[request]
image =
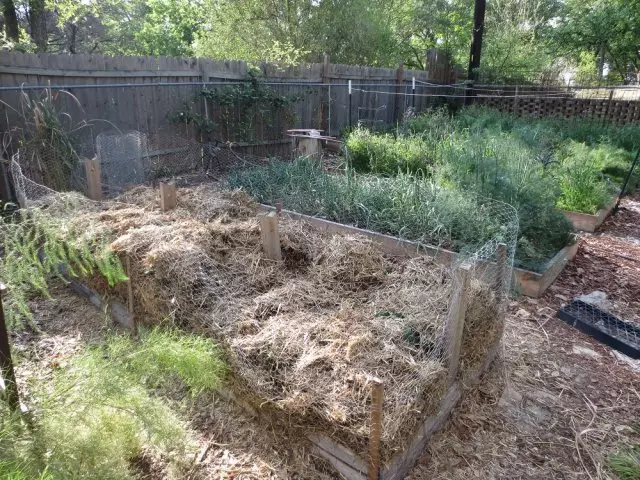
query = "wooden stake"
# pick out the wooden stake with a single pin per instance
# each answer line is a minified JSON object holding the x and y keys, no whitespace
{"x":515,"y":102}
{"x":168,"y":197}
{"x":455,"y":322}
{"x":375,"y":429}
{"x":94,"y":183}
{"x":270,"y":236}
{"x":501,"y":260}
{"x":130,"y":297}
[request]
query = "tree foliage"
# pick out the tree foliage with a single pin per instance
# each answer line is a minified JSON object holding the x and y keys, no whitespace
{"x":522,"y":37}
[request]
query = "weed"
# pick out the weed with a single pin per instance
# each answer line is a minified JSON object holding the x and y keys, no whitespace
{"x":93,"y":418}
{"x":626,"y":464}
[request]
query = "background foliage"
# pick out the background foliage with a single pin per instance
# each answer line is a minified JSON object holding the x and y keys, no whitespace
{"x":593,"y":40}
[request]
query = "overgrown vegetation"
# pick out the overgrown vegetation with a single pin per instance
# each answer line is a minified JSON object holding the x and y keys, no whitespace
{"x":47,"y":137}
{"x":575,"y":165}
{"x":408,"y":206}
{"x":95,"y":417}
{"x":38,"y":246}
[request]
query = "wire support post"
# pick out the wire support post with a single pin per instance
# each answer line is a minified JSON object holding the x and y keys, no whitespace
{"x":8,"y":386}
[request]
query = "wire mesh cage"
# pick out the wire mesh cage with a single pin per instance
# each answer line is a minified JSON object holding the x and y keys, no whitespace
{"x":121,"y":158}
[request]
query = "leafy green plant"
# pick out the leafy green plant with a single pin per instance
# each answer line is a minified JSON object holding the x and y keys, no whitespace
{"x":38,"y":247}
{"x":626,"y":464}
{"x":387,"y":154}
{"x":94,"y":417}
{"x":583,"y":185}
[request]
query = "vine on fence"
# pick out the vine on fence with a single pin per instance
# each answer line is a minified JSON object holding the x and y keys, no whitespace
{"x":240,"y":113}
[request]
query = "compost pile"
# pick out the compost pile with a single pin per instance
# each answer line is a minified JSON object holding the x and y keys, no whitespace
{"x":306,"y":335}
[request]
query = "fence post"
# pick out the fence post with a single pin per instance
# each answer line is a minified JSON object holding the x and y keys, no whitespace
{"x":375,"y":429}
{"x":455,"y":321}
{"x":130,"y":297}
{"x":607,"y":107}
{"x":168,"y":197}
{"x":349,"y":87}
{"x":515,"y":102}
{"x":501,"y":260}
{"x":270,"y":236}
{"x":94,"y":183}
{"x":324,"y":101}
{"x":6,"y":363}
{"x":413,"y":94}
{"x":399,"y":97}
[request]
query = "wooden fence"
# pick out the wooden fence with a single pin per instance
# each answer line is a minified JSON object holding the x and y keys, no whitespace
{"x":140,"y":92}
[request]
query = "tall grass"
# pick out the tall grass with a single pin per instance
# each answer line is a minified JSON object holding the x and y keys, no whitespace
{"x":48,"y":136}
{"x":626,"y":464}
{"x":407,"y":206}
{"x":96,"y":416}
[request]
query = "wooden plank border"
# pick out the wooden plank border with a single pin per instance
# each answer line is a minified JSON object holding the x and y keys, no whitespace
{"x":525,"y":282}
{"x":589,"y":223}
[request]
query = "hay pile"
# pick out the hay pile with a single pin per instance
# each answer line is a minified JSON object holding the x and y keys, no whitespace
{"x":306,"y":335}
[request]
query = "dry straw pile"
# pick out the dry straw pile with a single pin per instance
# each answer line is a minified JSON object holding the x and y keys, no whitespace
{"x":305,"y":335}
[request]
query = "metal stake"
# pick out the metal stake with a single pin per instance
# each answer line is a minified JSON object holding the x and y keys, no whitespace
{"x":6,"y":363}
{"x":626,"y":180}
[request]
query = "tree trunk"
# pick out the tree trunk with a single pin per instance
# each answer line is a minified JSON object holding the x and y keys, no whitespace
{"x":73,"y":35}
{"x":38,"y":24}
{"x":601,"y":62}
{"x":10,"y":20}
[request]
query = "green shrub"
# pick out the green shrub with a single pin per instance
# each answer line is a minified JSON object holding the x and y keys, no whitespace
{"x":387,"y":154}
{"x":96,"y":416}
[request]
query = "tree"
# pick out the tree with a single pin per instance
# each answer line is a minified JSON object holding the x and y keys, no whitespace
{"x":38,"y":24}
{"x":609,"y":30}
{"x":11,"y":28}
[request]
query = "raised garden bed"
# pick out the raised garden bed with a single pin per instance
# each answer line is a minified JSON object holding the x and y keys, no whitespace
{"x":589,"y":223}
{"x":366,"y":312}
{"x":525,"y":282}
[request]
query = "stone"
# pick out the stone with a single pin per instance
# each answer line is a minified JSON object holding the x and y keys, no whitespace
{"x":586,"y":352}
{"x":597,"y":299}
{"x":634,"y":364}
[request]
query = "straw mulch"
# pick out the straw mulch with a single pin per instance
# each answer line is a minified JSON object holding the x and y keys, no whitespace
{"x":306,"y":335}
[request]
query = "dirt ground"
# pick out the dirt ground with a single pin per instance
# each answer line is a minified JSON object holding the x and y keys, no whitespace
{"x":554,"y":405}
{"x":557,"y":402}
